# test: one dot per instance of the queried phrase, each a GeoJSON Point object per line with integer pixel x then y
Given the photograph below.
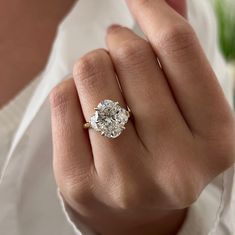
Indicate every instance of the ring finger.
{"type": "Point", "coordinates": [95, 80]}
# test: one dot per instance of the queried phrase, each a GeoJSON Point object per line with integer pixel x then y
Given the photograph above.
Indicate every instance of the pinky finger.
{"type": "Point", "coordinates": [71, 147]}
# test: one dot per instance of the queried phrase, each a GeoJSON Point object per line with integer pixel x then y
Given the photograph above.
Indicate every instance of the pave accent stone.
{"type": "Point", "coordinates": [109, 119]}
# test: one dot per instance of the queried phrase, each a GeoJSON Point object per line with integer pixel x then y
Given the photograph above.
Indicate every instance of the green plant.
{"type": "Point", "coordinates": [225, 11]}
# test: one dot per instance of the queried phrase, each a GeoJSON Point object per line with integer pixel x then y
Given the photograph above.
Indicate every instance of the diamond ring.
{"type": "Point", "coordinates": [109, 119]}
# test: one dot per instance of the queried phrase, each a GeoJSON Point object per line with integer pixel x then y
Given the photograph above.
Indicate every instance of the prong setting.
{"type": "Point", "coordinates": [109, 119]}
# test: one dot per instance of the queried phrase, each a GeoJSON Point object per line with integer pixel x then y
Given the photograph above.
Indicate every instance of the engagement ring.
{"type": "Point", "coordinates": [109, 119]}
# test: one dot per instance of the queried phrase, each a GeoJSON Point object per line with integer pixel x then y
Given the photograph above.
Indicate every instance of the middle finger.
{"type": "Point", "coordinates": [144, 84]}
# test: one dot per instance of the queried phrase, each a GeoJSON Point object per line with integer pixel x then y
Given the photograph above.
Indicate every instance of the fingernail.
{"type": "Point", "coordinates": [113, 27]}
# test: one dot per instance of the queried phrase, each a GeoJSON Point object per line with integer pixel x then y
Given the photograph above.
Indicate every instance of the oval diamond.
{"type": "Point", "coordinates": [109, 119]}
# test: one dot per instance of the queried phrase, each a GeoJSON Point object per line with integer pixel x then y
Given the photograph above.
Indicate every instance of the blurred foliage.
{"type": "Point", "coordinates": [225, 10]}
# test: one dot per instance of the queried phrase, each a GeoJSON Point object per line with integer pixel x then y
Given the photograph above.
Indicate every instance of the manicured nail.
{"type": "Point", "coordinates": [113, 27]}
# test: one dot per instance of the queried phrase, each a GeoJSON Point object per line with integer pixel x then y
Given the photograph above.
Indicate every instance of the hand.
{"type": "Point", "coordinates": [181, 135]}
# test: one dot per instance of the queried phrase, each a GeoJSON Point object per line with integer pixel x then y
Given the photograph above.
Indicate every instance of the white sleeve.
{"type": "Point", "coordinates": [78, 227]}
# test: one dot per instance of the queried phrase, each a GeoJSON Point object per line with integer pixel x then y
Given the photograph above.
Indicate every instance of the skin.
{"type": "Point", "coordinates": [26, 36]}
{"type": "Point", "coordinates": [144, 181]}
{"type": "Point", "coordinates": [33, 40]}
{"type": "Point", "coordinates": [180, 138]}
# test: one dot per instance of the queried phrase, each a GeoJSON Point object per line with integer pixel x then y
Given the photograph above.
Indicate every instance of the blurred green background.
{"type": "Point", "coordinates": [225, 11]}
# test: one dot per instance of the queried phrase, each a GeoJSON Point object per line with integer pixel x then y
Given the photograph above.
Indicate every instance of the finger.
{"type": "Point", "coordinates": [96, 81]}
{"type": "Point", "coordinates": [189, 74]}
{"type": "Point", "coordinates": [179, 6]}
{"type": "Point", "coordinates": [144, 85]}
{"type": "Point", "coordinates": [71, 147]}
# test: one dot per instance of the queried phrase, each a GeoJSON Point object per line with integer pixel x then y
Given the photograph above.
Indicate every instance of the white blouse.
{"type": "Point", "coordinates": [29, 204]}
{"type": "Point", "coordinates": [10, 117]}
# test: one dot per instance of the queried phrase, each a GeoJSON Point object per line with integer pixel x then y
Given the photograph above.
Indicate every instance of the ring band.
{"type": "Point", "coordinates": [109, 119]}
{"type": "Point", "coordinates": [87, 125]}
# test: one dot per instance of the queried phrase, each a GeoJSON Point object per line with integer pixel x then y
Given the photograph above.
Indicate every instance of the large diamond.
{"type": "Point", "coordinates": [109, 119]}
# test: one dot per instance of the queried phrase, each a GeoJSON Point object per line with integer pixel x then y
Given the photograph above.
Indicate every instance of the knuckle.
{"type": "Point", "coordinates": [132, 196]}
{"type": "Point", "coordinates": [218, 140]}
{"type": "Point", "coordinates": [77, 194]}
{"type": "Point", "coordinates": [178, 40]}
{"type": "Point", "coordinates": [89, 67]}
{"type": "Point", "coordinates": [186, 193]}
{"type": "Point", "coordinates": [132, 53]}
{"type": "Point", "coordinates": [126, 201]}
{"type": "Point", "coordinates": [179, 188]}
{"type": "Point", "coordinates": [225, 146]}
{"type": "Point", "coordinates": [77, 189]}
